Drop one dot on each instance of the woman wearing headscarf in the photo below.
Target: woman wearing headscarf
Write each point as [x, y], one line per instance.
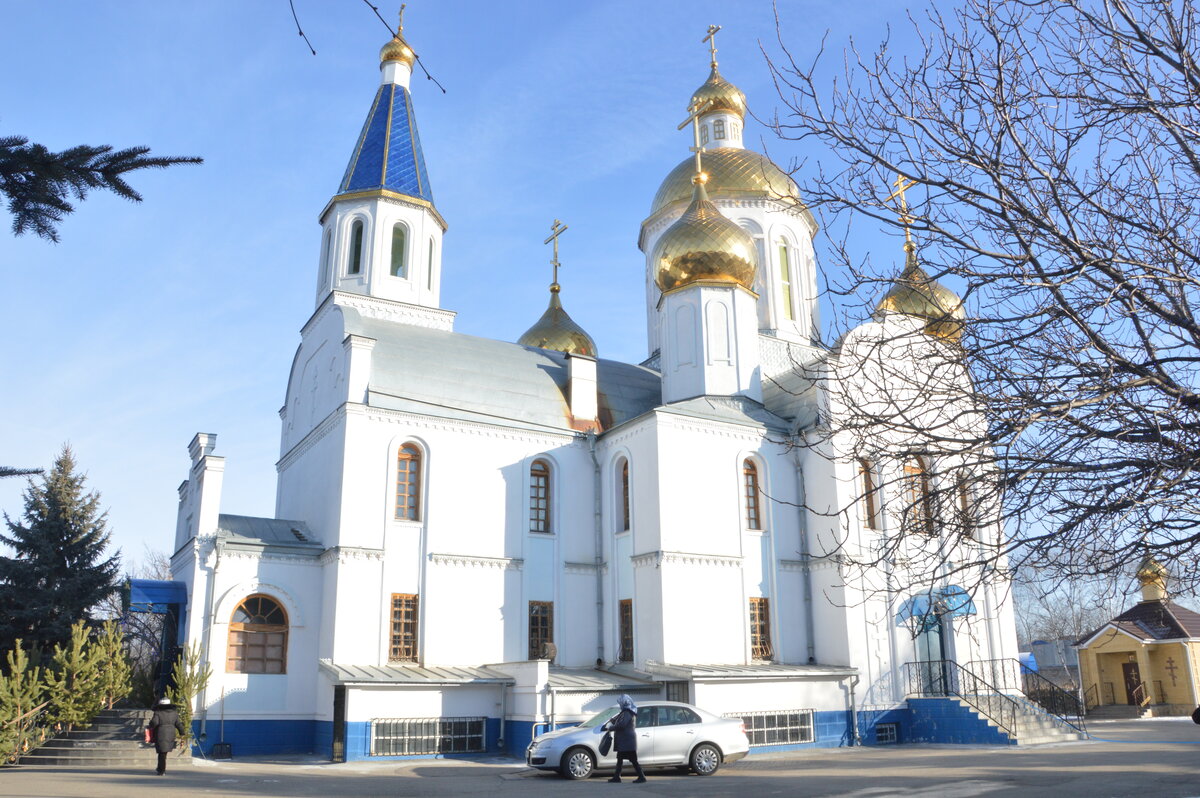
[624, 729]
[164, 723]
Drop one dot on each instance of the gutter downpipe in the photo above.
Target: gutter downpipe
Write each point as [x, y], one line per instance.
[805, 555]
[855, 739]
[599, 535]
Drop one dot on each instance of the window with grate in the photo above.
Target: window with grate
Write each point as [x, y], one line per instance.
[539, 497]
[541, 627]
[408, 483]
[404, 628]
[625, 607]
[887, 733]
[760, 628]
[678, 691]
[781, 727]
[719, 128]
[404, 736]
[750, 480]
[258, 633]
[870, 495]
[918, 502]
[625, 494]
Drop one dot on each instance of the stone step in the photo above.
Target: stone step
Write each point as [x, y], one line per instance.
[100, 745]
[147, 761]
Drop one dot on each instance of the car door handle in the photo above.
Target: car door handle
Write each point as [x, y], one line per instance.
[691, 731]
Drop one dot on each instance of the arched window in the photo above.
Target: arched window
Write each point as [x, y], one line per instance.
[918, 503]
[750, 484]
[324, 272]
[624, 497]
[408, 483]
[399, 247]
[258, 634]
[869, 494]
[718, 128]
[539, 497]
[703, 135]
[356, 247]
[785, 282]
[429, 267]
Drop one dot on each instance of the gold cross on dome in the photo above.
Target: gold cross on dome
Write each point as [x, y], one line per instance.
[400, 24]
[556, 229]
[694, 120]
[711, 38]
[903, 184]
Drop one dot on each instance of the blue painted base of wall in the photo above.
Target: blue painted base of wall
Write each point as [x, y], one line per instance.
[944, 720]
[260, 737]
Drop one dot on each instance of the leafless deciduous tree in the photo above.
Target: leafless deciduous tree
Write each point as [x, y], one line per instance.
[1055, 148]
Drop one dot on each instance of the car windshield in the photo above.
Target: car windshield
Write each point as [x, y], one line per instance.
[596, 720]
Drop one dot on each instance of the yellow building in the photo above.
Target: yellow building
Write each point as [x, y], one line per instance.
[1147, 657]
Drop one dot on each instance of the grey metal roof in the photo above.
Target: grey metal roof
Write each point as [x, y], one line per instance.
[659, 670]
[412, 674]
[582, 680]
[251, 530]
[453, 375]
[731, 409]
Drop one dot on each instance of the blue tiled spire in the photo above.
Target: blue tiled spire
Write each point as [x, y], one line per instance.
[388, 155]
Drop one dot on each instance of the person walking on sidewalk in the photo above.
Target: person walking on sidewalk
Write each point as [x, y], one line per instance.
[624, 729]
[164, 723]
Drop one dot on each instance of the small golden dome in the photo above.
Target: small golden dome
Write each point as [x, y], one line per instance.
[1151, 570]
[723, 95]
[915, 294]
[732, 173]
[704, 245]
[397, 50]
[556, 330]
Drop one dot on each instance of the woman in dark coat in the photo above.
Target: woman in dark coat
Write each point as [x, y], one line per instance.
[163, 724]
[624, 729]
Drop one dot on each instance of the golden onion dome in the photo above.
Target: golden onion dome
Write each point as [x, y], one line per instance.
[733, 173]
[722, 95]
[397, 50]
[1151, 570]
[558, 331]
[916, 294]
[703, 245]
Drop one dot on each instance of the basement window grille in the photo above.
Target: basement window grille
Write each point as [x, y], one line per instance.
[405, 736]
[777, 728]
[887, 733]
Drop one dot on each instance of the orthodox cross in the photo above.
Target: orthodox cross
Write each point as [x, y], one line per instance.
[903, 184]
[1171, 668]
[711, 38]
[556, 229]
[400, 24]
[694, 120]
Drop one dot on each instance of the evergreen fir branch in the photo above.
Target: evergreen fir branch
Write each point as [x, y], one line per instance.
[8, 471]
[39, 183]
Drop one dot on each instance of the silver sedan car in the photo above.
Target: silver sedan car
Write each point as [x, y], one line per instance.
[670, 734]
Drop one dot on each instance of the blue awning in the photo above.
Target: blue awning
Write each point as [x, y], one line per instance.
[919, 609]
[152, 595]
[953, 601]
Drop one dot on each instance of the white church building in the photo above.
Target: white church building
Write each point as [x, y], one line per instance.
[476, 540]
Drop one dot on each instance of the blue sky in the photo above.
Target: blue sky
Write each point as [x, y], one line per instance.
[151, 322]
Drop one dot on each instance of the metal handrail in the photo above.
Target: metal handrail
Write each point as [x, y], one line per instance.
[1014, 674]
[1141, 695]
[947, 678]
[1091, 696]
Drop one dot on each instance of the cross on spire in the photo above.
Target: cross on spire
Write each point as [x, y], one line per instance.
[903, 184]
[693, 119]
[556, 229]
[400, 24]
[711, 38]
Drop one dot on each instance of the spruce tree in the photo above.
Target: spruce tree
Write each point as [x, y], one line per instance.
[73, 680]
[59, 570]
[21, 692]
[189, 679]
[116, 674]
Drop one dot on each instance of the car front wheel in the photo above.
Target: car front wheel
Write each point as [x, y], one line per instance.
[578, 763]
[706, 759]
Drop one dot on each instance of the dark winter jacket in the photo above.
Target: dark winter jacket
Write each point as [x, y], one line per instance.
[165, 722]
[624, 729]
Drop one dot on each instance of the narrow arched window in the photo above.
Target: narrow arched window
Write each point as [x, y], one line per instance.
[258, 633]
[539, 497]
[703, 135]
[750, 485]
[408, 483]
[399, 247]
[356, 247]
[624, 495]
[869, 494]
[324, 271]
[719, 128]
[429, 267]
[785, 282]
[918, 502]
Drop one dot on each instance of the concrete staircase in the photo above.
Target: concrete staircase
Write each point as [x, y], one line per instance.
[113, 740]
[1118, 712]
[1034, 726]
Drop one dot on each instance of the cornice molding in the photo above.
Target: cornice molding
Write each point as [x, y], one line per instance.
[312, 437]
[469, 561]
[343, 554]
[483, 428]
[660, 558]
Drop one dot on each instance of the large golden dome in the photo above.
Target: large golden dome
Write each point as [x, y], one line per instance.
[556, 330]
[723, 95]
[703, 245]
[732, 173]
[916, 294]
